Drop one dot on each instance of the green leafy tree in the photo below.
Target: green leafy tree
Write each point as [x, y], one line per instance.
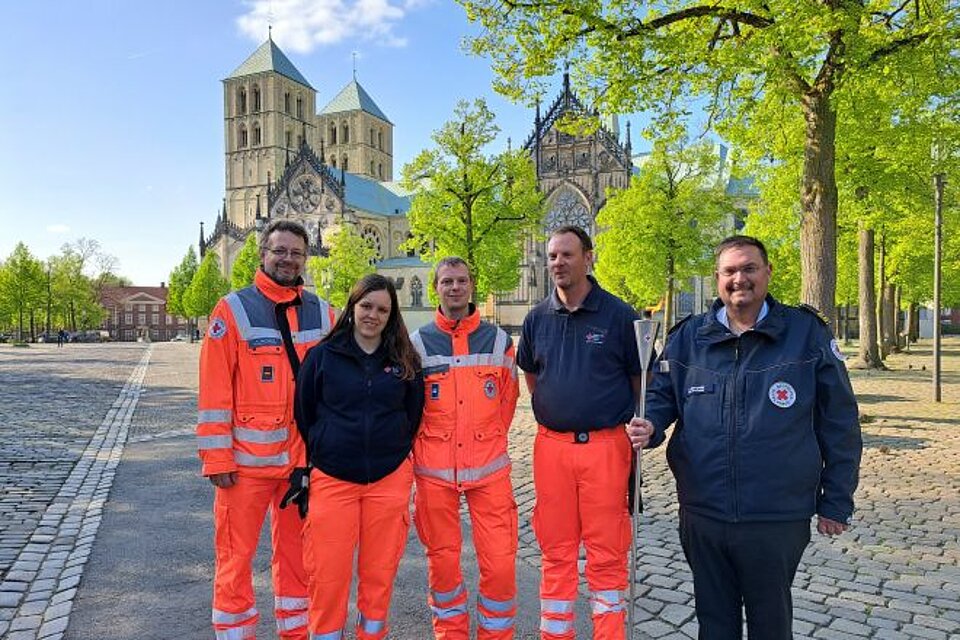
[350, 258]
[180, 279]
[659, 231]
[763, 71]
[206, 288]
[467, 203]
[22, 288]
[246, 265]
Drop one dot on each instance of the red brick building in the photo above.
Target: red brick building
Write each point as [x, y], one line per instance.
[140, 313]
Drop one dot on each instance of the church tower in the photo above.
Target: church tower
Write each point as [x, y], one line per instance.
[268, 108]
[357, 135]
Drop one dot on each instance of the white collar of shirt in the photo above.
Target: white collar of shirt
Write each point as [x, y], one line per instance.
[722, 316]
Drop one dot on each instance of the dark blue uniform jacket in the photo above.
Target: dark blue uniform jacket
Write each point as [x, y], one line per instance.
[767, 427]
[356, 414]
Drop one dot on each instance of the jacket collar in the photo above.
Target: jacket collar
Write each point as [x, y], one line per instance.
[275, 291]
[346, 344]
[771, 326]
[590, 303]
[449, 325]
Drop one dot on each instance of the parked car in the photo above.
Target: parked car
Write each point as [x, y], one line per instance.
[180, 337]
[92, 335]
[47, 337]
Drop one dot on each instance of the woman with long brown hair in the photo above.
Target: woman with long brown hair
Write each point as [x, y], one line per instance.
[359, 403]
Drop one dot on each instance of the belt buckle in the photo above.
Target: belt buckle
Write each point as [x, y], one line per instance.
[581, 437]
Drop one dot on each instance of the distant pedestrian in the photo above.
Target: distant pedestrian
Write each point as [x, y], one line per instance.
[766, 435]
[61, 337]
[359, 403]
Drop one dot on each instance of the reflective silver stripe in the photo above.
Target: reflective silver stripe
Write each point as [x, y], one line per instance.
[500, 606]
[494, 624]
[606, 602]
[479, 473]
[370, 626]
[286, 603]
[272, 436]
[237, 633]
[556, 627]
[330, 635]
[556, 606]
[214, 442]
[214, 415]
[310, 335]
[428, 472]
[469, 360]
[292, 622]
[500, 343]
[248, 333]
[418, 346]
[225, 617]
[450, 612]
[442, 597]
[250, 460]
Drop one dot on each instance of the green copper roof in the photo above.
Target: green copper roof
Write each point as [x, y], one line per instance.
[269, 58]
[354, 97]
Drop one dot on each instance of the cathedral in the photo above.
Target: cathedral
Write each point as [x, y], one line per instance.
[286, 159]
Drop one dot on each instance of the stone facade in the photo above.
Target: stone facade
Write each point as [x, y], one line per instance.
[139, 313]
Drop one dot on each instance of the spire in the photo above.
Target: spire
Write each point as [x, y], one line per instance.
[354, 54]
[203, 242]
[223, 209]
[566, 77]
[258, 206]
[509, 145]
[287, 162]
[628, 143]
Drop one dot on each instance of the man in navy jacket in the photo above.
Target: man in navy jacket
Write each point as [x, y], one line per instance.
[767, 435]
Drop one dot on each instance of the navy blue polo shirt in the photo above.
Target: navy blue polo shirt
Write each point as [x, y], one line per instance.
[583, 361]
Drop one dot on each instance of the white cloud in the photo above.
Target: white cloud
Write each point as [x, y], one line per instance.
[304, 25]
[58, 228]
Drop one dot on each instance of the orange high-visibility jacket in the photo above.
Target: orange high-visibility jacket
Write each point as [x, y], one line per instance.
[470, 396]
[245, 410]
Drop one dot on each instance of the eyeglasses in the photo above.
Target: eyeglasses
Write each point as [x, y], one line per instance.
[747, 270]
[296, 254]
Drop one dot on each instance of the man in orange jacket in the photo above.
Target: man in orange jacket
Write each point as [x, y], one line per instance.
[461, 449]
[248, 442]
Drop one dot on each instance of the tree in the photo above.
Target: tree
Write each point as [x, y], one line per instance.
[351, 257]
[180, 279]
[206, 288]
[746, 61]
[659, 231]
[246, 264]
[22, 287]
[469, 204]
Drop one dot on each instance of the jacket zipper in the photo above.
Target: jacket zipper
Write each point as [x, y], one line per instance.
[733, 427]
[366, 418]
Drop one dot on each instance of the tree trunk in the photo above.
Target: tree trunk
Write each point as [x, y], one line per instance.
[868, 356]
[888, 321]
[898, 339]
[818, 228]
[914, 334]
[880, 310]
[668, 302]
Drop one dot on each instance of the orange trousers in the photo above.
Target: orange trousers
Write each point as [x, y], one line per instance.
[238, 518]
[581, 496]
[493, 515]
[346, 518]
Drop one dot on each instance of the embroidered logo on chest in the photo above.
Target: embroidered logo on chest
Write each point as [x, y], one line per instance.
[490, 388]
[595, 336]
[782, 394]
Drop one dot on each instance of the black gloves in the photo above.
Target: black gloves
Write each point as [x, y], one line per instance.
[299, 490]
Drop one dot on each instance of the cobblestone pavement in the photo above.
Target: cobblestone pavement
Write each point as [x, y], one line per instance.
[66, 415]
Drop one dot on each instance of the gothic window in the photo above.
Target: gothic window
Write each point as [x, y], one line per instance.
[286, 102]
[256, 134]
[242, 101]
[346, 165]
[380, 170]
[345, 133]
[256, 99]
[300, 107]
[333, 135]
[380, 140]
[288, 138]
[372, 136]
[372, 235]
[371, 169]
[242, 137]
[568, 208]
[333, 161]
[416, 292]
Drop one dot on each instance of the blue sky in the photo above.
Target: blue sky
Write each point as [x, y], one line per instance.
[112, 109]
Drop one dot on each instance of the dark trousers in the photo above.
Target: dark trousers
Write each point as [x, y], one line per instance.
[745, 565]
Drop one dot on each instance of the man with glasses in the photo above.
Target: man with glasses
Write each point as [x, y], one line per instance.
[248, 442]
[767, 435]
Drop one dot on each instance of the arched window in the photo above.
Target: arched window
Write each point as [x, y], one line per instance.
[242, 137]
[416, 292]
[300, 107]
[333, 134]
[288, 138]
[286, 102]
[256, 99]
[380, 140]
[242, 100]
[346, 165]
[410, 252]
[333, 161]
[256, 134]
[380, 170]
[372, 138]
[345, 133]
[371, 168]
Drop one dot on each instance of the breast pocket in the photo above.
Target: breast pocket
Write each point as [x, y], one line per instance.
[265, 377]
[439, 407]
[778, 402]
[701, 402]
[486, 397]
